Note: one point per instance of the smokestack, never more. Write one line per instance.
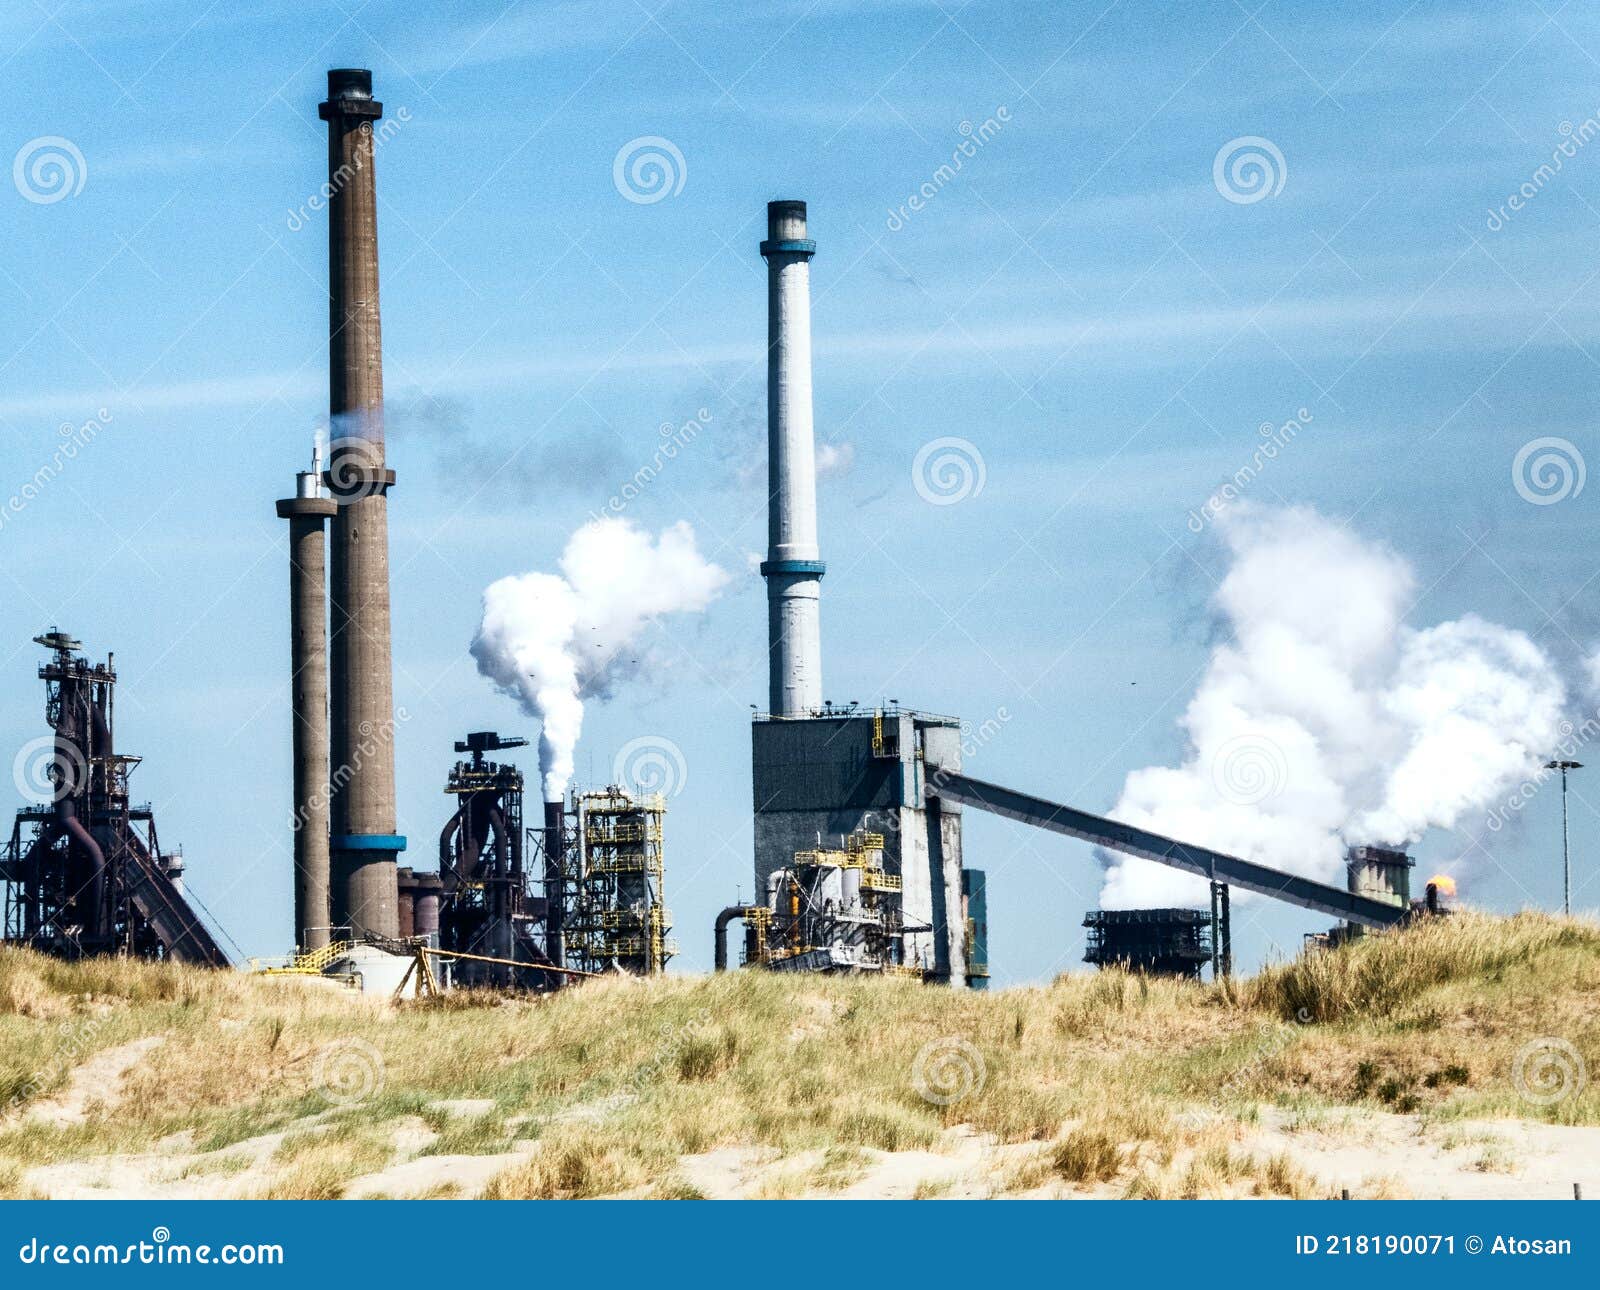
(308, 686)
(364, 843)
(793, 567)
(554, 867)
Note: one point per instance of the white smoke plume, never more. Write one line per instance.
(553, 640)
(1324, 719)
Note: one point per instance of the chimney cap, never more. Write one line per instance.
(349, 82)
(350, 96)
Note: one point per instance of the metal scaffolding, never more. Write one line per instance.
(615, 916)
(1162, 942)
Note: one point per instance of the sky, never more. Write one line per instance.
(1096, 302)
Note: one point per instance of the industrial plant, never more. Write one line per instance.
(858, 854)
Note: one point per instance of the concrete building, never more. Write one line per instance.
(821, 779)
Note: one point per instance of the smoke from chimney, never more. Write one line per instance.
(553, 640)
(1323, 718)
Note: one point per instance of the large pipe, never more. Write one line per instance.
(364, 842)
(793, 567)
(554, 871)
(75, 830)
(307, 513)
(720, 960)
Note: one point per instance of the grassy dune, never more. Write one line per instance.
(1102, 1081)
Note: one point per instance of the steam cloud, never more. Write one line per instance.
(551, 641)
(1324, 719)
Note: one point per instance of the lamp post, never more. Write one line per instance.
(1566, 848)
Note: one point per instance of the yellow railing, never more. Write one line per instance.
(311, 963)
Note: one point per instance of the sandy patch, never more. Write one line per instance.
(459, 1175)
(1452, 1160)
(467, 1108)
(95, 1081)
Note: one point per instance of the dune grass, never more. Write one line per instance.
(619, 1079)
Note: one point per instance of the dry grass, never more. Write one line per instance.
(620, 1079)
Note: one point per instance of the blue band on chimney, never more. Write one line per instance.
(800, 246)
(816, 568)
(368, 842)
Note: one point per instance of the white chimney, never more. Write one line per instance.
(793, 568)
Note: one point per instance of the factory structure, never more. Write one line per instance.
(85, 874)
(510, 905)
(859, 865)
(858, 853)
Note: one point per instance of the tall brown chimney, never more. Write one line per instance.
(364, 843)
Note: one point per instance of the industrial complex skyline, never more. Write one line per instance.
(1077, 316)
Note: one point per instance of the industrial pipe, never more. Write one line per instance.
(97, 858)
(364, 842)
(720, 961)
(554, 895)
(447, 868)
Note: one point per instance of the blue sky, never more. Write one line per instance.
(1080, 301)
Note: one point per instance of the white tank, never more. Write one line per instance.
(850, 884)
